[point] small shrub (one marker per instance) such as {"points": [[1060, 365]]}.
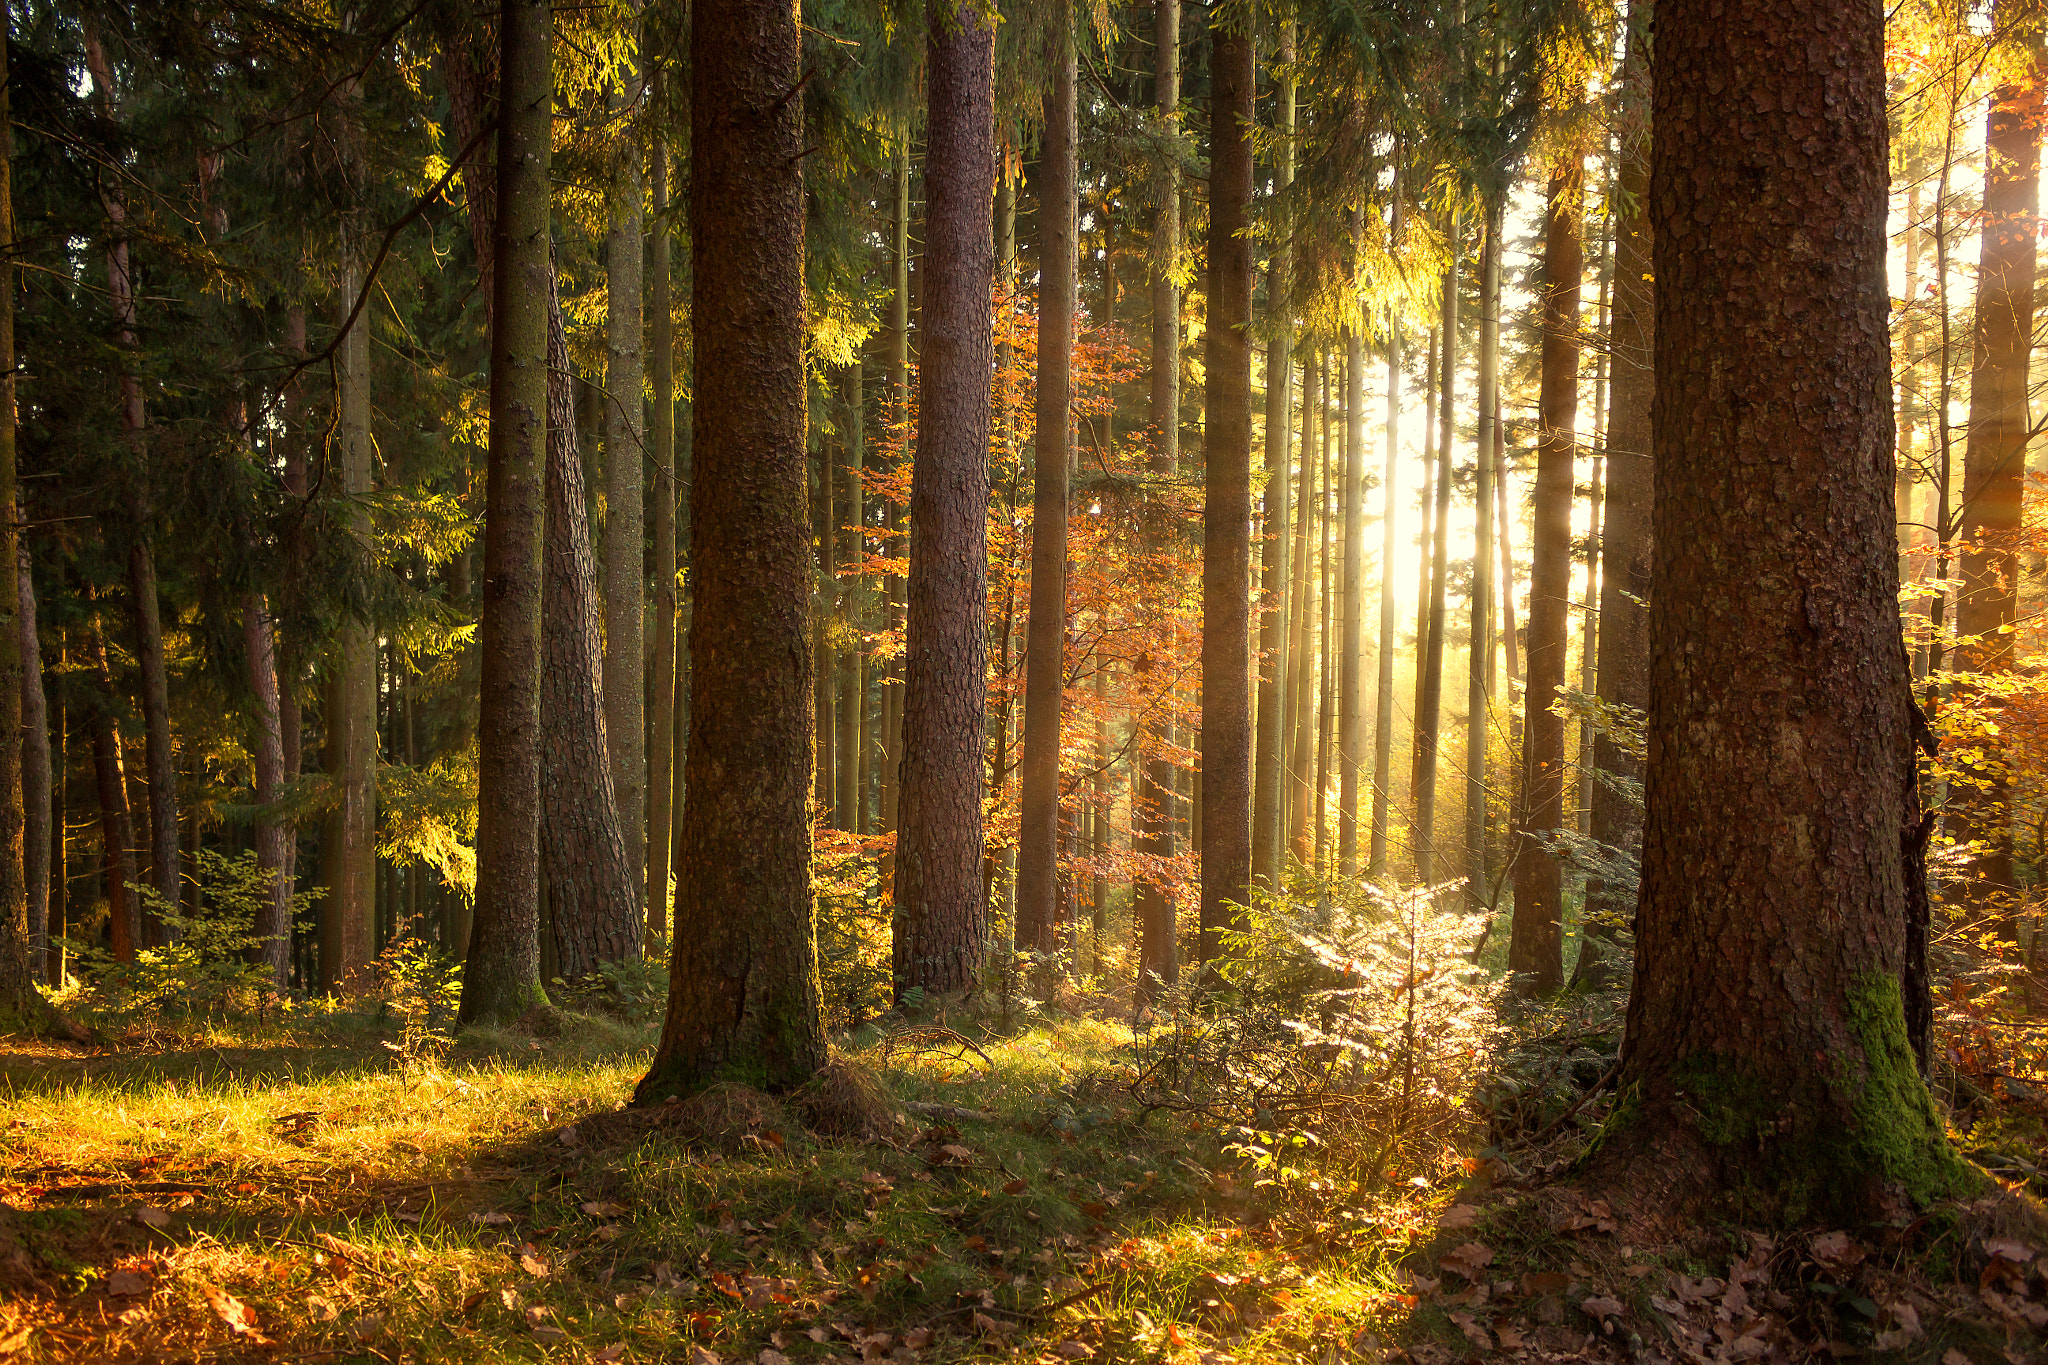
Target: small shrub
{"points": [[421, 986]]}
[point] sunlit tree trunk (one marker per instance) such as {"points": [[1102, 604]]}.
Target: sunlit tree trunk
{"points": [[1429, 707], [1383, 695], [661, 441], [41, 820], [852, 698], [1301, 670], [1269, 790], [625, 524], [117, 828], [1479, 675], [22, 786], [743, 978], [273, 925], [1351, 637]]}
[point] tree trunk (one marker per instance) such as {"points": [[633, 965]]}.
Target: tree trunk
{"points": [[743, 982], [825, 546], [1383, 697], [1428, 713], [1479, 675], [941, 924], [1536, 945], [1771, 927], [899, 413], [1151, 813], [1038, 874], [1351, 664], [40, 822], [1623, 672], [1269, 789], [1994, 459], [661, 438], [1329, 624], [502, 980], [273, 926], [852, 695], [22, 928], [625, 593], [117, 828], [1301, 651]]}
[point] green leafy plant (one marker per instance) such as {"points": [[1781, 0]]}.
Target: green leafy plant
{"points": [[421, 988]]}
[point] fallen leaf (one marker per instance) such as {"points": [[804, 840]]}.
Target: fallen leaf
{"points": [[1600, 1308], [230, 1310], [1834, 1249], [511, 1298], [1545, 1282], [128, 1284], [1955, 1357], [1015, 1187], [1469, 1260], [821, 1335], [321, 1310], [157, 1218], [1072, 1350], [1510, 1338], [532, 1264], [493, 1219], [917, 1338], [1478, 1335], [700, 1356], [603, 1209], [2019, 1253], [615, 1351], [1460, 1216], [770, 1357], [568, 1136], [1173, 1335]]}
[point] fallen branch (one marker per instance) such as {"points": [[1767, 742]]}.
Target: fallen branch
{"points": [[952, 1112]]}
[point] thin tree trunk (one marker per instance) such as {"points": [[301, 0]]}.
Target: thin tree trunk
{"points": [[273, 926], [502, 980], [24, 777], [1226, 817], [1478, 688], [661, 439], [1269, 789], [1302, 642], [1045, 640], [852, 699], [39, 816], [824, 707], [743, 978], [1536, 945], [1351, 669], [1326, 682], [117, 828], [1428, 716], [941, 924], [1151, 806], [625, 525], [1767, 1055], [899, 410], [1423, 577], [1383, 697]]}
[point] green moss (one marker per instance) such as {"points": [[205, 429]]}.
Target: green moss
{"points": [[1793, 1156]]}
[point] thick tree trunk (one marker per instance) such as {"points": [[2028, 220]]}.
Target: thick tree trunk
{"points": [[661, 440], [625, 528], [1767, 1063], [1038, 876], [941, 924], [1994, 460], [1479, 673], [743, 983], [1269, 790], [1226, 822], [502, 980], [1623, 673], [1536, 945], [1151, 807], [273, 926], [348, 858]]}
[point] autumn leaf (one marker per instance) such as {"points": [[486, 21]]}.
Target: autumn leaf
{"points": [[1460, 1216], [1469, 1260], [157, 1218], [615, 1351], [532, 1264], [771, 1357], [231, 1311], [127, 1284], [1015, 1187], [603, 1209], [1545, 1282], [700, 1356], [1600, 1308]]}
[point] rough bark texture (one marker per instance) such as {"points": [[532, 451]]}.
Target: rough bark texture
{"points": [[502, 979], [743, 983], [1226, 795], [661, 441], [1624, 642], [1994, 460], [625, 528], [273, 926], [1536, 944], [1151, 816], [1038, 835], [348, 855], [941, 920], [1767, 1058], [1269, 790]]}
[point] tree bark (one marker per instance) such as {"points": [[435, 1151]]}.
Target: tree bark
{"points": [[1301, 672], [1479, 675], [625, 523], [1770, 931], [1383, 706], [743, 983], [1038, 874], [941, 925], [502, 980], [1623, 673], [1536, 944], [852, 699], [1429, 710], [273, 926], [1995, 455], [38, 779], [1351, 662], [661, 440], [22, 929], [117, 827], [1226, 822], [1269, 789]]}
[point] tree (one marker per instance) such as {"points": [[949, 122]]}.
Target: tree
{"points": [[941, 918], [743, 978], [625, 528], [1536, 945], [503, 976], [18, 944], [1269, 786], [1038, 839], [1771, 925], [1226, 818], [1479, 674], [661, 442]]}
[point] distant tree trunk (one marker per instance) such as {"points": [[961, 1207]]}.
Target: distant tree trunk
{"points": [[1038, 876], [852, 698], [899, 413], [1330, 623], [1427, 505], [1994, 460], [22, 928], [824, 597], [1351, 660], [661, 439], [625, 525], [1383, 704], [1428, 714], [1536, 945], [1479, 677], [1269, 791], [502, 980], [39, 823], [941, 923], [1767, 1062], [1301, 670], [273, 926], [1624, 662], [348, 858], [117, 828], [1226, 822], [743, 980]]}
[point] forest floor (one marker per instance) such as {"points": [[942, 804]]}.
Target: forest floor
{"points": [[308, 1193]]}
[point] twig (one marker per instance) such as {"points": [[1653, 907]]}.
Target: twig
{"points": [[1090, 1292], [1578, 1104]]}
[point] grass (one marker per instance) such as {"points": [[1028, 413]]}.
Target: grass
{"points": [[496, 1205]]}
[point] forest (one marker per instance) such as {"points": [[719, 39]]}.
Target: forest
{"points": [[1168, 682]]}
